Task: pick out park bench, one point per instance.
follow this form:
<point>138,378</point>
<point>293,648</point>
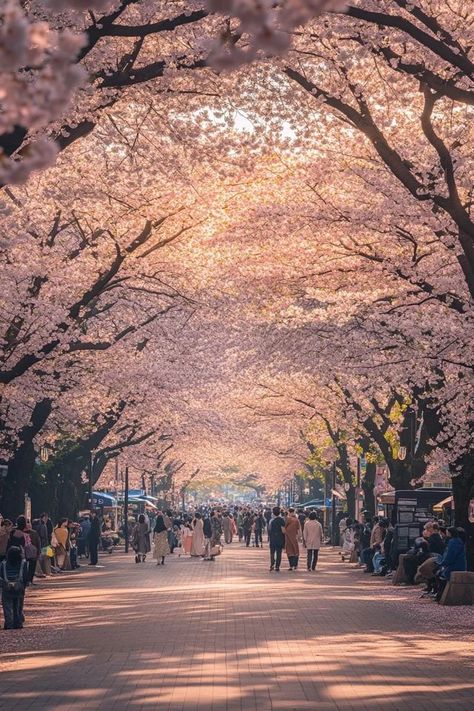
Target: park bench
<point>354,557</point>
<point>459,590</point>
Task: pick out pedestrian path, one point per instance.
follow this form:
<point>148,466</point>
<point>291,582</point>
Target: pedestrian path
<point>230,636</point>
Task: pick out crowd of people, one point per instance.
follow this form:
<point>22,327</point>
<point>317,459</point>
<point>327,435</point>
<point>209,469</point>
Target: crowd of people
<point>439,551</point>
<point>203,532</point>
<point>39,548</point>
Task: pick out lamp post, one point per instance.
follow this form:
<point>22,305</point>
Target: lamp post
<point>91,472</point>
<point>126,510</point>
<point>358,486</point>
<point>333,506</point>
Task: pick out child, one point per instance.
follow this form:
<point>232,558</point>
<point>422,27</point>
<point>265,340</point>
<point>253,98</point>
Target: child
<point>14,579</point>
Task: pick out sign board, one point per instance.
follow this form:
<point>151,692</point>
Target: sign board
<point>3,471</point>
<point>381,484</point>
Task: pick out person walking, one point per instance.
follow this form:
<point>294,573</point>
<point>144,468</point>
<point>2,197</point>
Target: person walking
<point>197,541</point>
<point>227,527</point>
<point>14,579</point>
<point>74,529</point>
<point>141,539</point>
<point>94,538</point>
<point>32,551</point>
<point>207,529</point>
<point>46,521</point>
<point>240,524</point>
<point>259,525</point>
<point>215,543</point>
<point>312,539</point>
<point>267,514</point>
<point>216,528</point>
<point>61,548</point>
<point>160,541</point>
<point>83,537</point>
<point>276,539</point>
<point>186,538</point>
<point>247,524</point>
<point>292,531</point>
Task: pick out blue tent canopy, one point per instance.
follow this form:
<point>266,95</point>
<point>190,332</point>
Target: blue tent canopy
<point>100,498</point>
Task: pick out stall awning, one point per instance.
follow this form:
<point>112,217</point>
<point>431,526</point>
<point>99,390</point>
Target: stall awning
<point>100,498</point>
<point>444,502</point>
<point>148,504</point>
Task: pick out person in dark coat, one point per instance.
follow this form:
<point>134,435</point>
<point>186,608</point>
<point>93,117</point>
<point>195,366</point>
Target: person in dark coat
<point>43,531</point>
<point>35,540</point>
<point>49,526</point>
<point>17,535</point>
<point>435,541</point>
<point>454,558</point>
<point>94,538</point>
<point>414,558</point>
<point>141,540</point>
<point>14,579</point>
<point>247,525</point>
<point>260,525</point>
<point>276,538</point>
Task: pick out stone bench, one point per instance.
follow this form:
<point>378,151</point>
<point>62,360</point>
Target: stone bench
<point>459,590</point>
<point>400,575</point>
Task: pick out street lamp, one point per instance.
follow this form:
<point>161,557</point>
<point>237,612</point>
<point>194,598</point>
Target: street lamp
<point>333,506</point>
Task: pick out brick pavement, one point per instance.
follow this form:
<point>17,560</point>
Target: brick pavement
<point>230,636</point>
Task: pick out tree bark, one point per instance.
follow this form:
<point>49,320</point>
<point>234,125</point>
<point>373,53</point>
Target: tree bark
<point>463,492</point>
<point>21,464</point>
<point>368,484</point>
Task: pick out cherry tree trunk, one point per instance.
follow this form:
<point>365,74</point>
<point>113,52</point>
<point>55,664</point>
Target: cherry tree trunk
<point>368,483</point>
<point>400,475</point>
<point>463,492</point>
<point>21,464</point>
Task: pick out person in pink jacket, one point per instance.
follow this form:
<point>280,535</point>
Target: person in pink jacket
<point>313,539</point>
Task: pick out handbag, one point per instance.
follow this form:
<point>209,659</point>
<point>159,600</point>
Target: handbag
<point>31,552</point>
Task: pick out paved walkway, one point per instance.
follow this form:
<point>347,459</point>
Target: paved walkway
<point>230,636</point>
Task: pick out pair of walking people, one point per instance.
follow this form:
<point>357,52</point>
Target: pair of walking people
<point>141,540</point>
<point>284,533</point>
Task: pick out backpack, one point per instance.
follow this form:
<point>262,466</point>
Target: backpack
<point>13,587</point>
<point>30,550</point>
